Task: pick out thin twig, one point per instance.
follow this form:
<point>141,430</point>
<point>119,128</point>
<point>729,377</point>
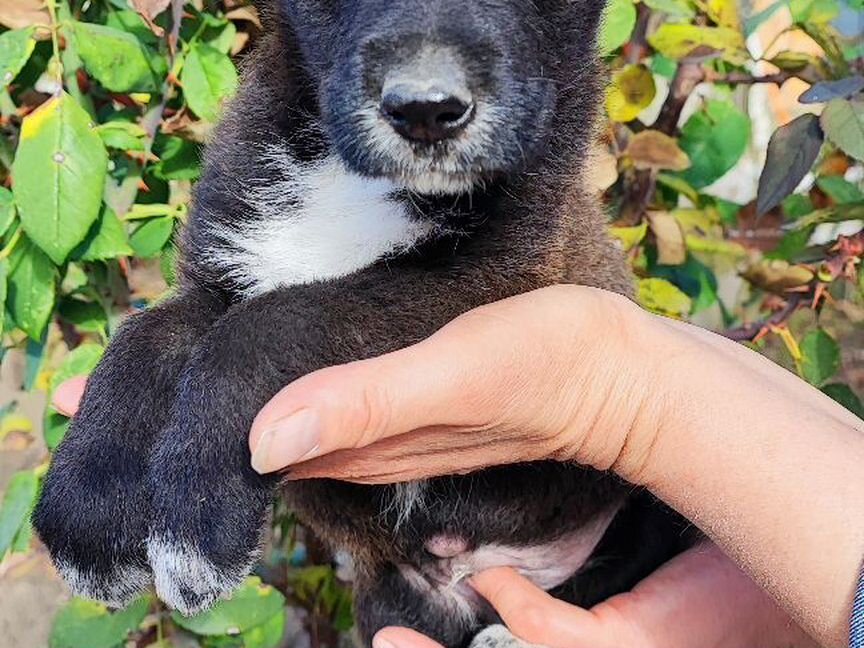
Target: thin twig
<point>750,332</point>
<point>742,78</point>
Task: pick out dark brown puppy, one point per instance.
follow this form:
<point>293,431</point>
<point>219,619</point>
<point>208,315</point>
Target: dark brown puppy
<point>385,168</point>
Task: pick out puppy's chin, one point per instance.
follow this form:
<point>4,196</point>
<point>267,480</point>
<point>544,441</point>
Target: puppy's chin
<point>438,183</point>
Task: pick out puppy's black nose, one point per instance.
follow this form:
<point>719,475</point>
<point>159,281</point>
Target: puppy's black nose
<point>428,115</point>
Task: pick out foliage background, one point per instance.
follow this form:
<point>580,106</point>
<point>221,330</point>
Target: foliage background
<point>105,105</point>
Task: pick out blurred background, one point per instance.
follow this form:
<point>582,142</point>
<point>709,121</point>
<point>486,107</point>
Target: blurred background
<point>731,160</point>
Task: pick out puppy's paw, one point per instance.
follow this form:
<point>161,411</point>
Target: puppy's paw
<point>187,580</point>
<point>498,636</point>
<point>210,508</point>
<point>92,514</point>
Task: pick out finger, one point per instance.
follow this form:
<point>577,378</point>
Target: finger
<point>536,617</point>
<point>402,638</point>
<point>354,405</point>
<point>68,395</point>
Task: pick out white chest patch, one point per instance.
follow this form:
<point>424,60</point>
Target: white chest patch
<point>316,222</point>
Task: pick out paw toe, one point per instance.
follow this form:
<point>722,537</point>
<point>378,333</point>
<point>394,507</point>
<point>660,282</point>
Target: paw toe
<point>116,587</point>
<point>186,579</point>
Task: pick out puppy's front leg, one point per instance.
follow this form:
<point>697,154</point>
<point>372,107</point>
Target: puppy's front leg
<point>209,505</point>
<point>93,511</point>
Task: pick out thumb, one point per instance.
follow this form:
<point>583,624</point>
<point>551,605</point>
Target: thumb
<point>444,381</point>
<point>537,618</point>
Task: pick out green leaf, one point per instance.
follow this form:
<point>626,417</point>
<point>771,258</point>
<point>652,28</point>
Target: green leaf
<point>663,66</point>
<point>791,152</point>
<point>125,136</point>
<point>31,288</point>
<point>844,395</point>
<point>660,296</point>
<point>54,428</point>
<point>677,41</point>
<point>78,362</point>
<point>839,190</point>
<point>753,23</point>
<point>266,635</point>
<point>17,503</point>
<point>7,209</point>
<point>87,317</point>
<point>179,159</point>
<point>675,9</point>
<point>619,19</point>
<point>16,46</point>
<point>714,138</point>
<point>813,11</point>
<point>115,58</point>
<point>168,264</point>
<point>151,236</point>
<point>130,22</point>
<point>209,78</point>
<point>843,122</point>
<point>59,175</point>
<point>4,273</point>
<point>87,624</point>
<point>835,214</point>
<point>107,239</point>
<point>820,357</point>
<point>251,605</point>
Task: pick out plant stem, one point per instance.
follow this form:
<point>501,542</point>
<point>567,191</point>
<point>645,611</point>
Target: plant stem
<point>7,250</point>
<point>57,67</point>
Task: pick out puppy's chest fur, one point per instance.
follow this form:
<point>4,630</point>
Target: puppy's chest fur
<point>312,222</point>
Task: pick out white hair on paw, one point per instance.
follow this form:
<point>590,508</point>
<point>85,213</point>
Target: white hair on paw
<point>316,222</point>
<point>116,588</point>
<point>498,636</point>
<point>187,580</point>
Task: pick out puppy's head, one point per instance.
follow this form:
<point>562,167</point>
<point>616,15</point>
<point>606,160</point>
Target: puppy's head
<point>440,95</point>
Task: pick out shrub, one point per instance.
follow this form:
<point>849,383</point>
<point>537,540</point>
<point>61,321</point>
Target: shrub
<point>104,108</point>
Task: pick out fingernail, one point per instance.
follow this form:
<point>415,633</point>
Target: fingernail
<point>287,441</point>
<point>382,643</point>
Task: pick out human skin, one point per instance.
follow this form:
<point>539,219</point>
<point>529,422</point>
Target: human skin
<point>768,467</point>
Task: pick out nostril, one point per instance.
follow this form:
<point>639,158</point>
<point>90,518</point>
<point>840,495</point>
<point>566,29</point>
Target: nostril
<point>428,116</point>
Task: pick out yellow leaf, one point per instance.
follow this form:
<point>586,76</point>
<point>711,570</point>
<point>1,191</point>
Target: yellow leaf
<point>676,41</point>
<point>660,296</point>
<point>652,149</point>
<point>15,423</point>
<point>714,246</point>
<point>700,221</point>
<point>630,237</point>
<point>723,12</point>
<point>630,92</point>
<point>778,276</point>
<point>671,249</point>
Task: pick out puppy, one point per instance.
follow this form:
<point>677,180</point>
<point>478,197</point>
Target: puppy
<point>385,167</point>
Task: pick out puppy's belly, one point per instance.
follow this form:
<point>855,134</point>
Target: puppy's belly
<point>547,565</point>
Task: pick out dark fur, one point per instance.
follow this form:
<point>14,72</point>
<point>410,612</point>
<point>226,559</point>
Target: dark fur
<point>160,443</point>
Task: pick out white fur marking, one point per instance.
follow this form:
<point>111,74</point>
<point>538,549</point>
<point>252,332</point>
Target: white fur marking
<point>498,636</point>
<point>547,565</point>
<point>318,222</point>
<point>115,590</point>
<point>180,569</point>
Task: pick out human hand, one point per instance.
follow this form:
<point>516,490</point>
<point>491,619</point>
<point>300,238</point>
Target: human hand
<point>700,598</point>
<point>567,372</point>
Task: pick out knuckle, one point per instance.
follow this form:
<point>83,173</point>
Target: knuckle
<point>374,413</point>
<point>531,622</point>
